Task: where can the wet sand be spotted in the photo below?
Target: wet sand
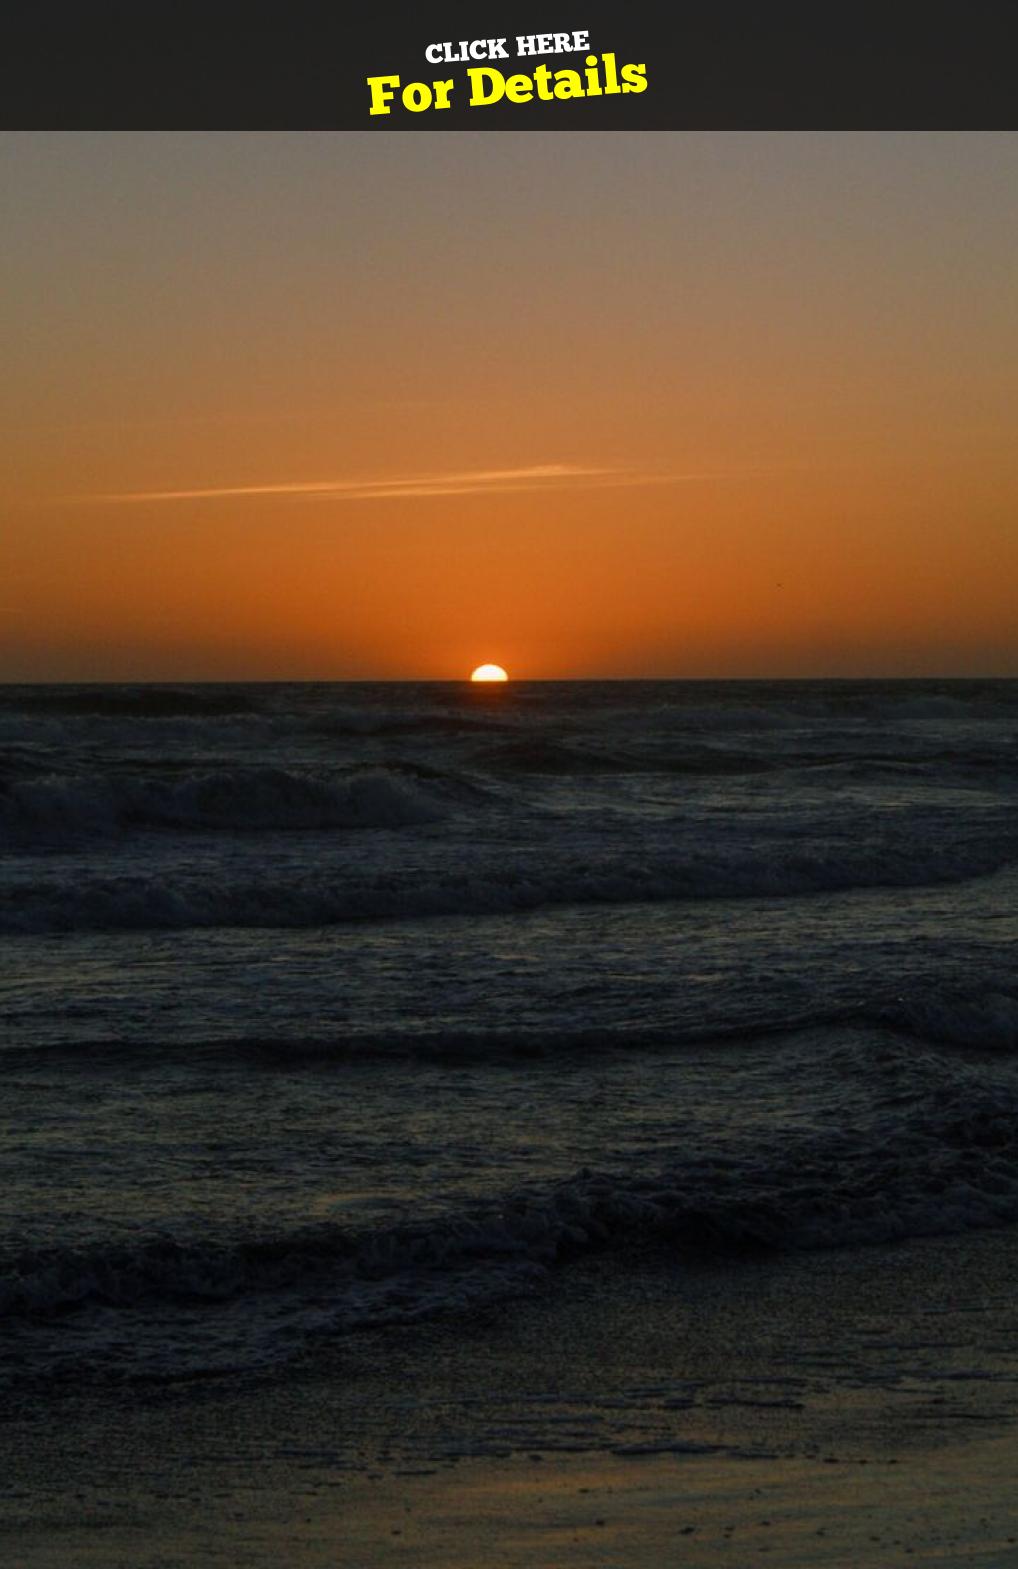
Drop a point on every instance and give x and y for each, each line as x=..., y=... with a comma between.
x=850, y=1407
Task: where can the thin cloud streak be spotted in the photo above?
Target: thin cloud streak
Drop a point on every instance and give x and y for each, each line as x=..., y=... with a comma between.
x=367, y=490
x=598, y=479
x=540, y=476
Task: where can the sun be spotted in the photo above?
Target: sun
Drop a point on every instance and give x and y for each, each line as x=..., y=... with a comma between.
x=489, y=673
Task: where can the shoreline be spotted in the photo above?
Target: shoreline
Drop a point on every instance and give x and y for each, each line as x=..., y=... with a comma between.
x=861, y=1401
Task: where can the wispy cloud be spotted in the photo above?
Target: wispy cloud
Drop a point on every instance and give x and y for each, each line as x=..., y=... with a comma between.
x=472, y=482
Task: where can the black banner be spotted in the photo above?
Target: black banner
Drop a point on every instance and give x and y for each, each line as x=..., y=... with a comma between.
x=555, y=67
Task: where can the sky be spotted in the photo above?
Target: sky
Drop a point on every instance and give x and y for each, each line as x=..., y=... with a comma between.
x=372, y=406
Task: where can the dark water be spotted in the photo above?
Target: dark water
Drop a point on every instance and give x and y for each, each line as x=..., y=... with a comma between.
x=333, y=1005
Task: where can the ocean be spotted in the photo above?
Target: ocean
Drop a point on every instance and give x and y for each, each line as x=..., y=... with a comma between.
x=333, y=1006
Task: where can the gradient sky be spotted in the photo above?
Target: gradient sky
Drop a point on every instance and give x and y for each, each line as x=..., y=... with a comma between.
x=361, y=405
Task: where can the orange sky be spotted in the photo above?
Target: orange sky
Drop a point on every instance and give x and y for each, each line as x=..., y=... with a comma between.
x=628, y=405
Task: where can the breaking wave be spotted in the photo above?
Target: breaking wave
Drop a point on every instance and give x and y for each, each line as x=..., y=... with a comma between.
x=979, y=1021
x=53, y=809
x=938, y=1160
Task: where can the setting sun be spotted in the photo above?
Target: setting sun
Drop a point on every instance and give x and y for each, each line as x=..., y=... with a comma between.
x=489, y=673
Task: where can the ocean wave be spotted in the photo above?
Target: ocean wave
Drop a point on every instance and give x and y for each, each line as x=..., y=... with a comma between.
x=938, y=706
x=944, y=768
x=942, y=1020
x=736, y=716
x=984, y=1021
x=135, y=702
x=317, y=895
x=947, y=1163
x=442, y=1044
x=346, y=722
x=545, y=755
x=53, y=809
x=781, y=704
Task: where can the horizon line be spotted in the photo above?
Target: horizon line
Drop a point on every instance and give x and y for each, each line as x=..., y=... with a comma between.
x=177, y=681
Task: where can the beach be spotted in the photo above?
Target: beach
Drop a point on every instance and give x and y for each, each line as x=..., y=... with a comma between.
x=856, y=1407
